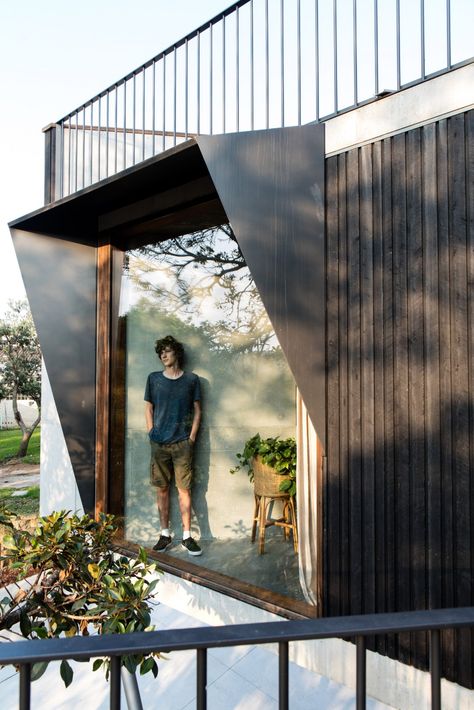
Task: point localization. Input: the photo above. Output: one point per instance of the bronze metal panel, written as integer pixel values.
(60, 280)
(271, 184)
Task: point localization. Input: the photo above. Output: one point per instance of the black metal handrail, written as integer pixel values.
(26, 653)
(258, 64)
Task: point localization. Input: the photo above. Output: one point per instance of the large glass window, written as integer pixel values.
(199, 289)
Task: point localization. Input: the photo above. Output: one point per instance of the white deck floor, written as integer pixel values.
(243, 678)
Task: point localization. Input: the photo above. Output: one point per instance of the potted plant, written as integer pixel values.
(272, 457)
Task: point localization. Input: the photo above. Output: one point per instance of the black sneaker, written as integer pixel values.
(191, 546)
(163, 543)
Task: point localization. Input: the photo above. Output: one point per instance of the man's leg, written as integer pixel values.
(185, 507)
(163, 500)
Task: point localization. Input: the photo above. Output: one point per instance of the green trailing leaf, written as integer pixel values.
(38, 669)
(25, 624)
(147, 665)
(66, 672)
(97, 664)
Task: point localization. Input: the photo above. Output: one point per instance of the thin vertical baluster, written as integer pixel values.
(397, 25)
(107, 108)
(376, 46)
(282, 60)
(354, 48)
(186, 89)
(210, 78)
(448, 33)
(116, 129)
(115, 663)
(237, 71)
(164, 101)
(267, 70)
(25, 686)
(144, 110)
(61, 162)
(124, 125)
(435, 669)
(223, 74)
(283, 684)
(201, 678)
(298, 24)
(316, 54)
(69, 150)
(76, 178)
(361, 674)
(91, 147)
(198, 84)
(98, 137)
(175, 89)
(422, 38)
(134, 116)
(153, 110)
(83, 147)
(252, 76)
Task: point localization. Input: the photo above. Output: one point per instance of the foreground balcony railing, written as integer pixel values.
(26, 653)
(258, 64)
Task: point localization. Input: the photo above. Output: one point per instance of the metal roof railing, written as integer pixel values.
(25, 653)
(261, 64)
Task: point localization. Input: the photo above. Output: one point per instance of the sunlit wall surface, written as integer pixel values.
(199, 289)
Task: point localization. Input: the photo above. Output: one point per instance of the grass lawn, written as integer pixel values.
(27, 504)
(10, 442)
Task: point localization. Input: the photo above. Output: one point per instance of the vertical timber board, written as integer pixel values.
(333, 489)
(403, 208)
(387, 365)
(342, 402)
(447, 519)
(104, 258)
(470, 301)
(431, 370)
(459, 376)
(367, 380)
(417, 481)
(379, 472)
(354, 384)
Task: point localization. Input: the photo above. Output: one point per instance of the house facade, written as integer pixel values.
(320, 277)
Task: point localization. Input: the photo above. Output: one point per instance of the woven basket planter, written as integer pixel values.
(266, 480)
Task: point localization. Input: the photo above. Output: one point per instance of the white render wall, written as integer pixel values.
(58, 487)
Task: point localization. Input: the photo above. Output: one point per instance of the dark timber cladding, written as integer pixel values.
(399, 508)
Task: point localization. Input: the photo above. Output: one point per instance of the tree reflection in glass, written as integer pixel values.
(199, 289)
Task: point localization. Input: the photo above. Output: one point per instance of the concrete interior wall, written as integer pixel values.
(246, 388)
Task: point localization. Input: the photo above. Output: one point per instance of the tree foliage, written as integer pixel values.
(79, 584)
(20, 365)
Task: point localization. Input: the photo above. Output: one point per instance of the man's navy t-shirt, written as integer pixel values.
(173, 402)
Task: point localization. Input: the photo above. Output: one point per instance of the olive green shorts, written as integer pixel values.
(167, 459)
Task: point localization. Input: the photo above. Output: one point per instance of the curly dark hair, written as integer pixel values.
(169, 342)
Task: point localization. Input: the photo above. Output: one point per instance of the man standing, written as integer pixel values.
(173, 414)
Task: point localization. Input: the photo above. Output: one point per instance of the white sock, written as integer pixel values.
(165, 532)
(186, 534)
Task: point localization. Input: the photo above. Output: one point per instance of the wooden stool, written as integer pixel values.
(267, 491)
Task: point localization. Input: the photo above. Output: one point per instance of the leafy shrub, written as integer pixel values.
(79, 583)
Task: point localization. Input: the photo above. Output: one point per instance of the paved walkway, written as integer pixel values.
(19, 475)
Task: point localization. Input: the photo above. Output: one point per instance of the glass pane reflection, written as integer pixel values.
(198, 288)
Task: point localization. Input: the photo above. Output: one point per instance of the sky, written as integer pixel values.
(53, 57)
